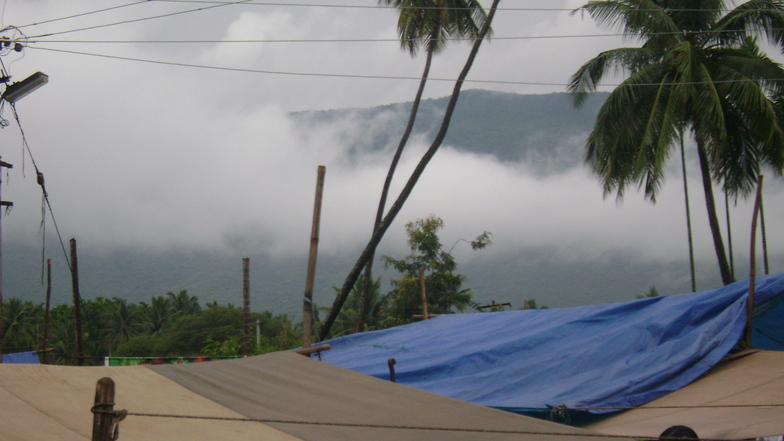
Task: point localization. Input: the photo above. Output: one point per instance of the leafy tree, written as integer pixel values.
(442, 285)
(428, 23)
(383, 226)
(699, 68)
(183, 303)
(22, 322)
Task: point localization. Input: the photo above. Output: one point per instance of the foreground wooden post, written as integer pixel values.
(307, 303)
(753, 263)
(103, 410)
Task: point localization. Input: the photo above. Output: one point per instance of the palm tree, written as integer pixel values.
(383, 226)
(183, 303)
(700, 69)
(21, 324)
(428, 23)
(158, 313)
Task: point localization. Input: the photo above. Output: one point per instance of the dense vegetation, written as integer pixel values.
(168, 326)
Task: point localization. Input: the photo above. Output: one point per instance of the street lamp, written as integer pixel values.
(16, 91)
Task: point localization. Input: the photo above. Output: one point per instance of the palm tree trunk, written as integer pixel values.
(688, 217)
(382, 202)
(412, 180)
(713, 221)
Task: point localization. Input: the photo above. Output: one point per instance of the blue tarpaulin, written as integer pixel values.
(21, 358)
(591, 358)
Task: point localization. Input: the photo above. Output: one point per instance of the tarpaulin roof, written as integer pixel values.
(589, 358)
(289, 396)
(739, 398)
(22, 358)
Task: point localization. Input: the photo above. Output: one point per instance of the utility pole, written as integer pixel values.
(8, 205)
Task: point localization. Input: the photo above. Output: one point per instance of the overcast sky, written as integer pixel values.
(140, 146)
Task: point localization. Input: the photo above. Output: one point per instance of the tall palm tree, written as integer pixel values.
(699, 68)
(429, 24)
(183, 303)
(383, 226)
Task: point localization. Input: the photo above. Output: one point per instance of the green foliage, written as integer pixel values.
(698, 70)
(653, 292)
(376, 310)
(171, 325)
(442, 285)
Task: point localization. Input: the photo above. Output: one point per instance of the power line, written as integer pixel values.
(403, 427)
(361, 76)
(311, 40)
(136, 20)
(39, 177)
(83, 14)
(305, 74)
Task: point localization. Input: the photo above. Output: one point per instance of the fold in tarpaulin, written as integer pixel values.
(588, 358)
(21, 358)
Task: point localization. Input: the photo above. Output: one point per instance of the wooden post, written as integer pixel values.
(103, 410)
(391, 363)
(307, 303)
(258, 332)
(45, 348)
(752, 267)
(424, 293)
(3, 203)
(77, 299)
(246, 301)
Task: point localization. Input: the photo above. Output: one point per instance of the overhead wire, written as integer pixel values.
(83, 14)
(354, 76)
(137, 20)
(39, 178)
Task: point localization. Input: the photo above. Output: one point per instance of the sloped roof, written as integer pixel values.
(299, 398)
(589, 358)
(739, 398)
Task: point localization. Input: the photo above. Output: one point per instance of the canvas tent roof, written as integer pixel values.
(590, 358)
(40, 402)
(733, 401)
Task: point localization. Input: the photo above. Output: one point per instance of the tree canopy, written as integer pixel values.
(699, 69)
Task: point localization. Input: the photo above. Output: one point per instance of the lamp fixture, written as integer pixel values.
(16, 91)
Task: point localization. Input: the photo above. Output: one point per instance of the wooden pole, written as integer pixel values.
(423, 292)
(103, 410)
(77, 299)
(45, 348)
(258, 332)
(246, 301)
(764, 236)
(307, 304)
(3, 203)
(391, 363)
(752, 266)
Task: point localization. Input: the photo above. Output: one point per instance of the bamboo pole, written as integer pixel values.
(752, 266)
(246, 301)
(313, 349)
(307, 304)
